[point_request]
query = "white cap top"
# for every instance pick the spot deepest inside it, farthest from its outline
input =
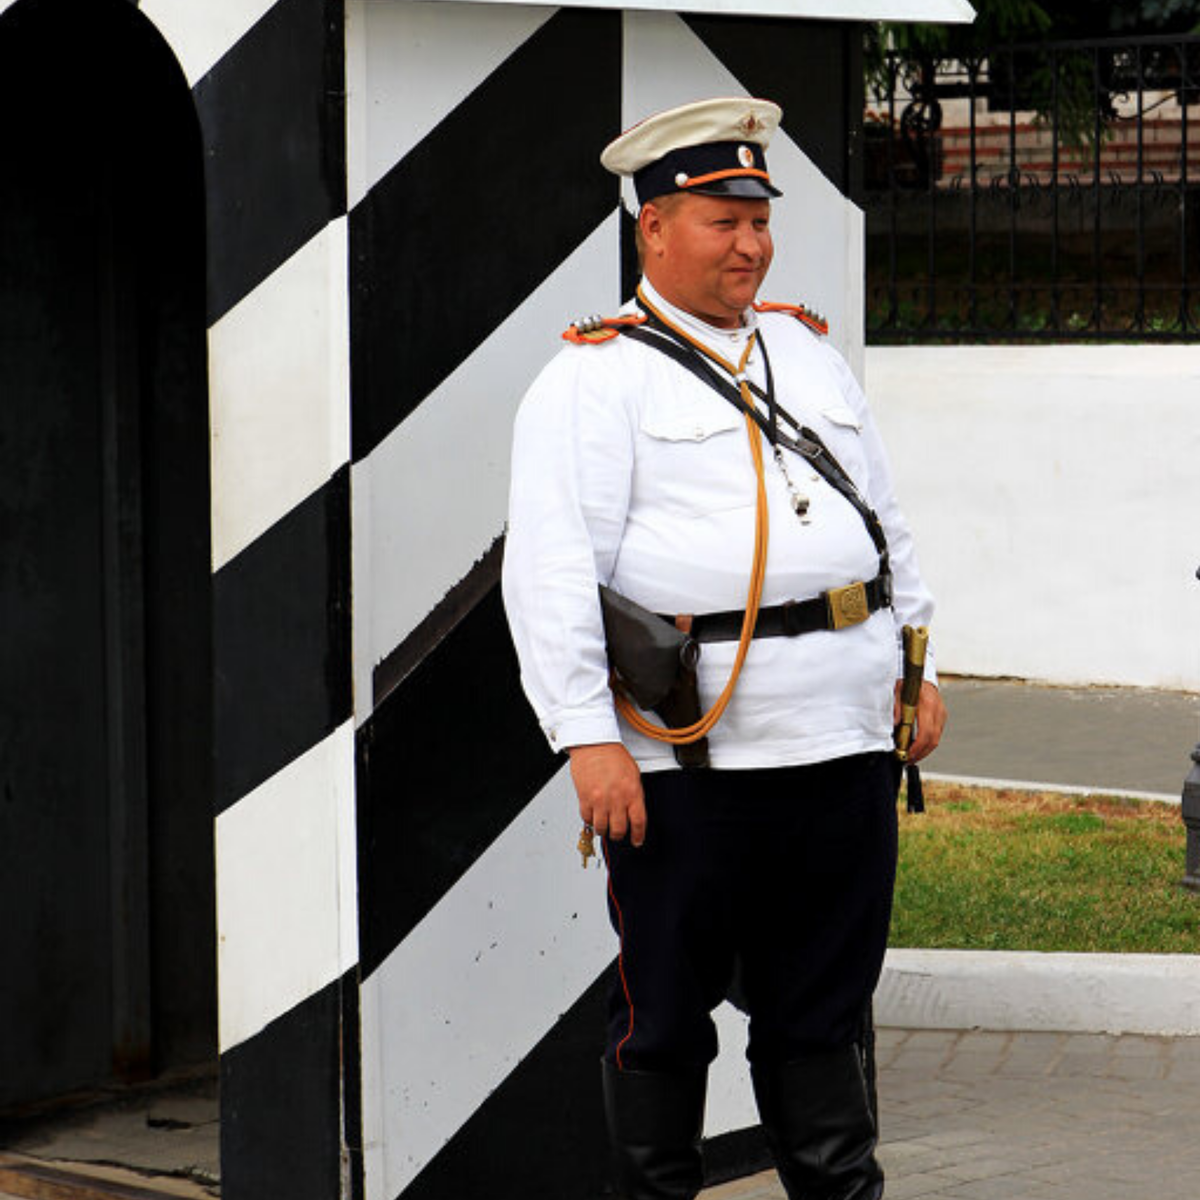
(731, 119)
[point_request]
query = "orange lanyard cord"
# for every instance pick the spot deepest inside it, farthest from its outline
(693, 733)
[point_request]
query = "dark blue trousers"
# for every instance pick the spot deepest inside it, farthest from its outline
(787, 872)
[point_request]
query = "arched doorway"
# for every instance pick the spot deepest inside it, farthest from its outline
(106, 863)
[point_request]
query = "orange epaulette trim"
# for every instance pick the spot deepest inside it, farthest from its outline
(590, 331)
(813, 320)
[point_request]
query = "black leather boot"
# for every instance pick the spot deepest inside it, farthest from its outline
(817, 1118)
(654, 1125)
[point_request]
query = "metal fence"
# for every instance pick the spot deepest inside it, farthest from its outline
(1040, 192)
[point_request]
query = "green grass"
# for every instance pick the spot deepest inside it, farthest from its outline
(996, 870)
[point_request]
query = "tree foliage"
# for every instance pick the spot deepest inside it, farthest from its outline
(1004, 21)
(918, 49)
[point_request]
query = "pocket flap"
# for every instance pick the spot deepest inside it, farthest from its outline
(670, 423)
(839, 414)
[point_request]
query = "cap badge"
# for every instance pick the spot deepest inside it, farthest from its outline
(745, 156)
(750, 124)
(681, 180)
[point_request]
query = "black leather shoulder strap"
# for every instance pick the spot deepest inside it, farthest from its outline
(806, 443)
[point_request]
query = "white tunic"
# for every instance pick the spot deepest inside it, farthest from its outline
(628, 470)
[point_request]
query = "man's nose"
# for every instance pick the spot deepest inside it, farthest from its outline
(747, 242)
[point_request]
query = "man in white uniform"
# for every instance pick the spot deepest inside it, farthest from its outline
(703, 455)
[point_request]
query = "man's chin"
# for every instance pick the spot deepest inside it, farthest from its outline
(738, 299)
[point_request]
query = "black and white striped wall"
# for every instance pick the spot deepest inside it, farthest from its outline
(472, 141)
(404, 209)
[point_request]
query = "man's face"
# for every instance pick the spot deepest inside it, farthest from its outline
(707, 254)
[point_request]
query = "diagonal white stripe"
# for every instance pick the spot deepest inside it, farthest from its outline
(435, 492)
(408, 65)
(201, 33)
(280, 392)
(286, 889)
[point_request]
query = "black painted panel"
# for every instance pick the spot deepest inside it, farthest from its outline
(812, 69)
(178, 566)
(281, 1105)
(444, 765)
(282, 641)
(102, 310)
(272, 113)
(352, 1127)
(631, 270)
(468, 224)
(55, 1004)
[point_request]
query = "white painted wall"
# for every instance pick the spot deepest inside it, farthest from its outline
(1055, 496)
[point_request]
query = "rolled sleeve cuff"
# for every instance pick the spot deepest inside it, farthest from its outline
(566, 729)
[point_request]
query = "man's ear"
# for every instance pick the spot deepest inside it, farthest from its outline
(650, 222)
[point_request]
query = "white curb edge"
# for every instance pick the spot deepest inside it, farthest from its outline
(1157, 994)
(1066, 789)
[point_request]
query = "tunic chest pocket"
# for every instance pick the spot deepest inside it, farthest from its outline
(694, 458)
(678, 423)
(842, 429)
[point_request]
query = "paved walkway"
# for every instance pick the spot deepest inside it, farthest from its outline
(1030, 1116)
(1129, 740)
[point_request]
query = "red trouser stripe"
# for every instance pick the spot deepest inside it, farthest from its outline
(620, 961)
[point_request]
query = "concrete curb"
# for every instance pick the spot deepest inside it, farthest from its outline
(1063, 789)
(1156, 994)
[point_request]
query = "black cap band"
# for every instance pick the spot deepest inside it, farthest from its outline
(713, 169)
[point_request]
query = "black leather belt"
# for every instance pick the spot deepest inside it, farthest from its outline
(838, 608)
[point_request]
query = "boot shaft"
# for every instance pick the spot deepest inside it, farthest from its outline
(655, 1122)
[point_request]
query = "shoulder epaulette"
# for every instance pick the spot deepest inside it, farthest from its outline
(590, 331)
(806, 316)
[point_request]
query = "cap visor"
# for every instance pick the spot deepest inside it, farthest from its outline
(739, 187)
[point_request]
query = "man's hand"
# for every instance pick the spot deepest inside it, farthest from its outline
(931, 720)
(609, 786)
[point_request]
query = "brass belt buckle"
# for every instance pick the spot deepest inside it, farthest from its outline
(847, 605)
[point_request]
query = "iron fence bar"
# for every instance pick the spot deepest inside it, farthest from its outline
(973, 199)
(931, 171)
(1139, 319)
(1013, 189)
(893, 317)
(1184, 294)
(1148, 39)
(1097, 248)
(1055, 312)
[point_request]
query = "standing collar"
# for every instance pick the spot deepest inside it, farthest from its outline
(723, 341)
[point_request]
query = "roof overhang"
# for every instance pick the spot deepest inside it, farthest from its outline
(939, 11)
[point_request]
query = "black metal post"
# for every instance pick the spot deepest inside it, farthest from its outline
(1191, 819)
